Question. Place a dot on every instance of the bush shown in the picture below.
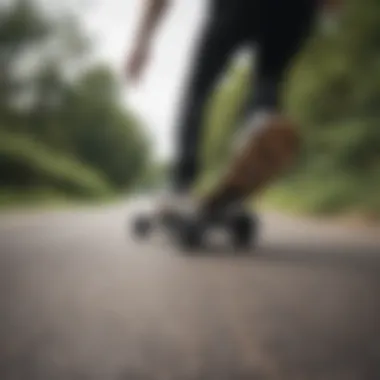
(26, 163)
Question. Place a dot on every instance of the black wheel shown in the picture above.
(190, 233)
(244, 230)
(142, 226)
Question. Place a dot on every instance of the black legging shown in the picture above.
(277, 28)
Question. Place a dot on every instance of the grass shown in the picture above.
(330, 198)
(11, 199)
(22, 154)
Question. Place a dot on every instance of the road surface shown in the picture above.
(80, 299)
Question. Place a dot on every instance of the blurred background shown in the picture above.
(82, 299)
(72, 130)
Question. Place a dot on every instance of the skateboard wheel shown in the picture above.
(142, 227)
(190, 234)
(244, 230)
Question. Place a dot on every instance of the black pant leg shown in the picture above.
(215, 48)
(283, 27)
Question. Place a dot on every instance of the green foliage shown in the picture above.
(101, 133)
(222, 116)
(62, 123)
(155, 176)
(29, 164)
(21, 25)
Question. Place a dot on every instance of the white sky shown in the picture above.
(114, 22)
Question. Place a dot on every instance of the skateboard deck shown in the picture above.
(266, 152)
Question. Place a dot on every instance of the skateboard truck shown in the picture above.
(190, 231)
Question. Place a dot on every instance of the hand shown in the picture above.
(137, 63)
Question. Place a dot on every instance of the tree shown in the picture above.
(63, 105)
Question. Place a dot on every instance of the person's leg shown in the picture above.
(283, 27)
(279, 35)
(214, 50)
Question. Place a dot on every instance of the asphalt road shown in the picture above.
(80, 299)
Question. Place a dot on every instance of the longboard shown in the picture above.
(265, 151)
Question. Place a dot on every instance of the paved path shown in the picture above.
(80, 299)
